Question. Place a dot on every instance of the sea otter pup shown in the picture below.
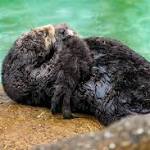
(71, 67)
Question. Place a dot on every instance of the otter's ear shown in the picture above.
(65, 25)
(34, 31)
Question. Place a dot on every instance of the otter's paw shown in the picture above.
(67, 114)
(55, 107)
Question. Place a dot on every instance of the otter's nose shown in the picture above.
(70, 32)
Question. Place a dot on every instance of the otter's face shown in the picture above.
(45, 34)
(62, 31)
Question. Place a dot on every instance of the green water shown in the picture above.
(125, 20)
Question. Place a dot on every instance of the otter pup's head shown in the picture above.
(62, 31)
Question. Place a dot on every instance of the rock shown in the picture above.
(128, 134)
(22, 127)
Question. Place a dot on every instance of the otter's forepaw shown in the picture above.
(55, 108)
(67, 114)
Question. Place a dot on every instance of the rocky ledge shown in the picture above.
(22, 127)
(131, 133)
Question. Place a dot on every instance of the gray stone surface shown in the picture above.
(131, 133)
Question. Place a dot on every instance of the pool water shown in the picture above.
(127, 21)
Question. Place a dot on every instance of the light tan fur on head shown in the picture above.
(48, 33)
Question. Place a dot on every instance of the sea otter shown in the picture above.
(118, 83)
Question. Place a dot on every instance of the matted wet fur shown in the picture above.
(44, 66)
(119, 86)
(26, 56)
(72, 66)
(119, 83)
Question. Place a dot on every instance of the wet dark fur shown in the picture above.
(22, 68)
(72, 66)
(119, 83)
(33, 75)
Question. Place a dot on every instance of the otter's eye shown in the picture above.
(62, 31)
(45, 34)
(39, 33)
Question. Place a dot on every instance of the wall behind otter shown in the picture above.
(127, 21)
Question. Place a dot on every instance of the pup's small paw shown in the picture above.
(54, 109)
(67, 115)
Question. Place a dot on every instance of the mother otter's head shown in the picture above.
(45, 35)
(38, 41)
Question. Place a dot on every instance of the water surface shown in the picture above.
(127, 21)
